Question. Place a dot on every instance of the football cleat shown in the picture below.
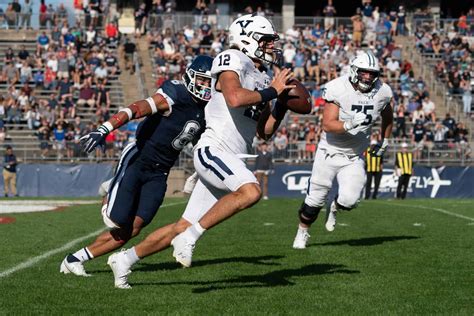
(74, 267)
(331, 220)
(183, 250)
(121, 269)
(301, 239)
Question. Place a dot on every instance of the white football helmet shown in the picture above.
(248, 31)
(365, 62)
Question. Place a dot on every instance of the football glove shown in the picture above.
(96, 138)
(190, 183)
(356, 121)
(379, 150)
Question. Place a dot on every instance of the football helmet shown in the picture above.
(250, 33)
(197, 78)
(364, 63)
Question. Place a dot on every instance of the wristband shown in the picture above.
(105, 128)
(268, 94)
(279, 111)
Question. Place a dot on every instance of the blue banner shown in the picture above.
(60, 180)
(426, 182)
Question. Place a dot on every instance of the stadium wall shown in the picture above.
(441, 182)
(83, 180)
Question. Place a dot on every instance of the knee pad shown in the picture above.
(343, 207)
(107, 221)
(308, 214)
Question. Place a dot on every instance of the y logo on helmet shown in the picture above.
(243, 24)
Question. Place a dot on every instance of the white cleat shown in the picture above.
(183, 250)
(75, 268)
(301, 239)
(331, 220)
(121, 269)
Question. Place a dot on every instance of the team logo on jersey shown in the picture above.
(243, 24)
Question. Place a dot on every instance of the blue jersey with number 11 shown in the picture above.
(161, 137)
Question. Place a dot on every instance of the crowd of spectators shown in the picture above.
(67, 72)
(74, 64)
(454, 48)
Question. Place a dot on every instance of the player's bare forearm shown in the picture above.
(234, 94)
(331, 123)
(139, 109)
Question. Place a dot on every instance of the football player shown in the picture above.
(174, 117)
(353, 104)
(241, 89)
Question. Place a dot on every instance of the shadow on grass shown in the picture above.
(147, 267)
(369, 241)
(270, 279)
(261, 260)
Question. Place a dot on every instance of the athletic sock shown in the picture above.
(195, 232)
(302, 229)
(81, 255)
(131, 256)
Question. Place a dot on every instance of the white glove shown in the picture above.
(356, 121)
(379, 150)
(190, 183)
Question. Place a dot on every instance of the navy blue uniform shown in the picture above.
(139, 185)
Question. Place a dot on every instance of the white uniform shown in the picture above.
(340, 155)
(229, 132)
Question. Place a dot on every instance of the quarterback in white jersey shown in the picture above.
(240, 93)
(353, 104)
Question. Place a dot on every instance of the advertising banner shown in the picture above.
(426, 182)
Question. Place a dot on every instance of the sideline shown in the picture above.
(32, 261)
(440, 210)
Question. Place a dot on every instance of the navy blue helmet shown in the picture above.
(197, 77)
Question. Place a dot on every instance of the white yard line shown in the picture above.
(32, 261)
(440, 210)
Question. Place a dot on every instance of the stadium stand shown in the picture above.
(318, 49)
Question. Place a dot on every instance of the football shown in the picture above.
(297, 99)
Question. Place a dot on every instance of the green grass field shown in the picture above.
(387, 257)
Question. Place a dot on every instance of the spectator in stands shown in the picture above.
(418, 138)
(11, 16)
(280, 144)
(129, 49)
(61, 12)
(299, 61)
(329, 12)
(100, 73)
(25, 72)
(449, 122)
(9, 56)
(59, 138)
(33, 118)
(454, 81)
(94, 11)
(65, 89)
(357, 30)
(418, 114)
(311, 141)
(213, 13)
(103, 95)
(68, 107)
(429, 109)
(86, 95)
(466, 96)
(23, 54)
(392, 68)
(50, 81)
(9, 172)
(140, 20)
(263, 167)
(10, 73)
(400, 114)
(90, 36)
(401, 21)
(43, 41)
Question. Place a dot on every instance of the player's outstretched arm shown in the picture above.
(237, 96)
(142, 108)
